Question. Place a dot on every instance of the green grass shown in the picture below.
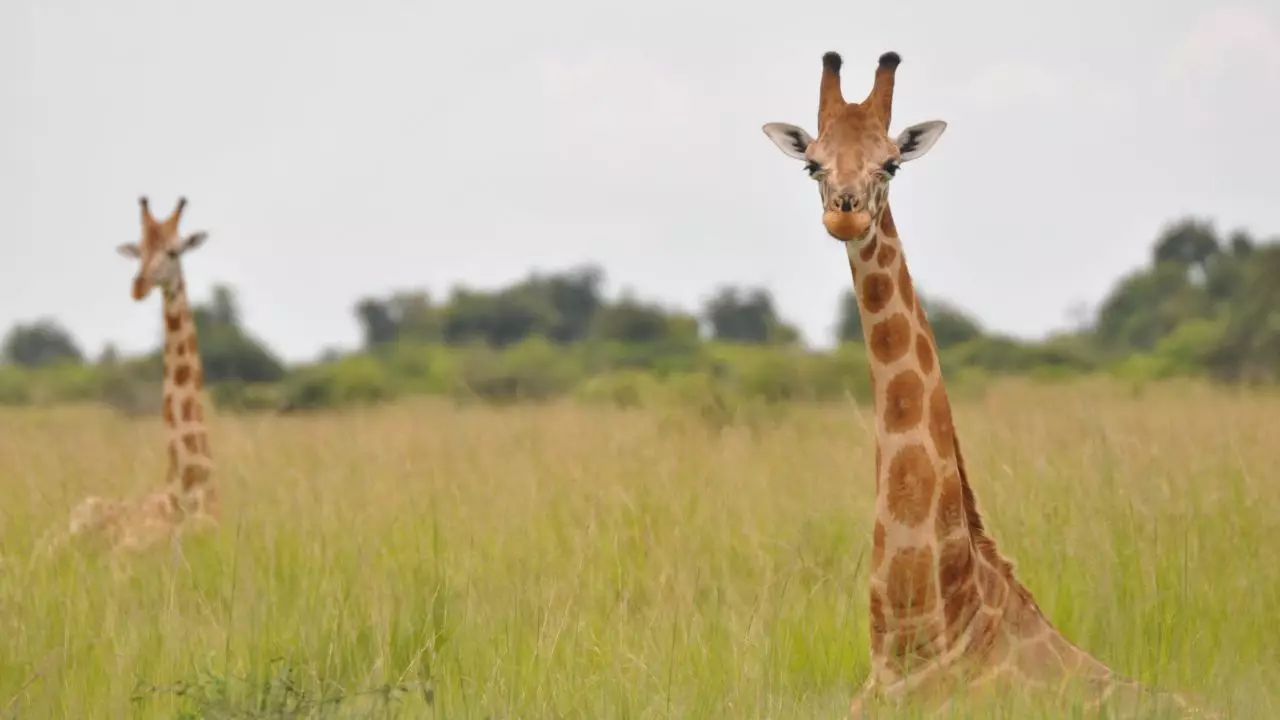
(428, 561)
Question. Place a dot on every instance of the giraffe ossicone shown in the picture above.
(188, 502)
(947, 610)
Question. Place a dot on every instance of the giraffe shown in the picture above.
(189, 501)
(947, 610)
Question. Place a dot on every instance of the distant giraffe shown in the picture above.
(189, 501)
(946, 607)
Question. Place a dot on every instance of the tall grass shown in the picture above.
(424, 560)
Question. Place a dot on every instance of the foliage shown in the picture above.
(1204, 306)
(43, 342)
(747, 317)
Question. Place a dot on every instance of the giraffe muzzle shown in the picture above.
(845, 226)
(140, 288)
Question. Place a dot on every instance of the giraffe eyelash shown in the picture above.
(813, 168)
(890, 168)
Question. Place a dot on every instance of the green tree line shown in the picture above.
(1204, 305)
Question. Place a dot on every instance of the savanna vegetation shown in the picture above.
(537, 502)
(1205, 306)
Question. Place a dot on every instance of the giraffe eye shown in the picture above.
(813, 168)
(173, 253)
(891, 168)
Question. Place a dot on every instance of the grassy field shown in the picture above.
(424, 560)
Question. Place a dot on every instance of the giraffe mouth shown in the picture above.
(847, 226)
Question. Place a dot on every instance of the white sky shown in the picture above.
(333, 153)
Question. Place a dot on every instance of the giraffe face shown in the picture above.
(159, 251)
(853, 159)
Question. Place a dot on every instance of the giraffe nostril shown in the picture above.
(846, 203)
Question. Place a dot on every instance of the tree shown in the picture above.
(376, 323)
(497, 319)
(43, 342)
(576, 298)
(1148, 304)
(223, 308)
(1241, 244)
(228, 352)
(951, 325)
(415, 317)
(1189, 243)
(746, 317)
(632, 321)
(1249, 343)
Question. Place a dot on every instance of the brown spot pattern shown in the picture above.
(188, 408)
(199, 376)
(905, 287)
(193, 475)
(911, 645)
(955, 564)
(924, 354)
(877, 545)
(960, 605)
(891, 338)
(887, 255)
(923, 317)
(173, 322)
(877, 291)
(1000, 646)
(878, 626)
(995, 589)
(887, 227)
(168, 410)
(879, 464)
(192, 346)
(1022, 617)
(941, 428)
(181, 374)
(903, 402)
(1038, 661)
(1072, 658)
(911, 479)
(984, 631)
(192, 442)
(868, 251)
(911, 587)
(950, 513)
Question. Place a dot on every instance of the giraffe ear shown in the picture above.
(129, 250)
(790, 139)
(916, 140)
(193, 241)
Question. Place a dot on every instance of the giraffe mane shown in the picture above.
(978, 532)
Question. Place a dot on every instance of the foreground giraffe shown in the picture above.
(946, 607)
(189, 500)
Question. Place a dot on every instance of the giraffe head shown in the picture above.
(853, 158)
(159, 250)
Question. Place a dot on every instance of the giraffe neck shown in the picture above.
(945, 605)
(933, 567)
(190, 465)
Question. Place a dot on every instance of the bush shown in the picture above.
(352, 380)
(530, 370)
(15, 387)
(843, 374)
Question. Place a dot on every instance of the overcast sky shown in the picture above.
(333, 153)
